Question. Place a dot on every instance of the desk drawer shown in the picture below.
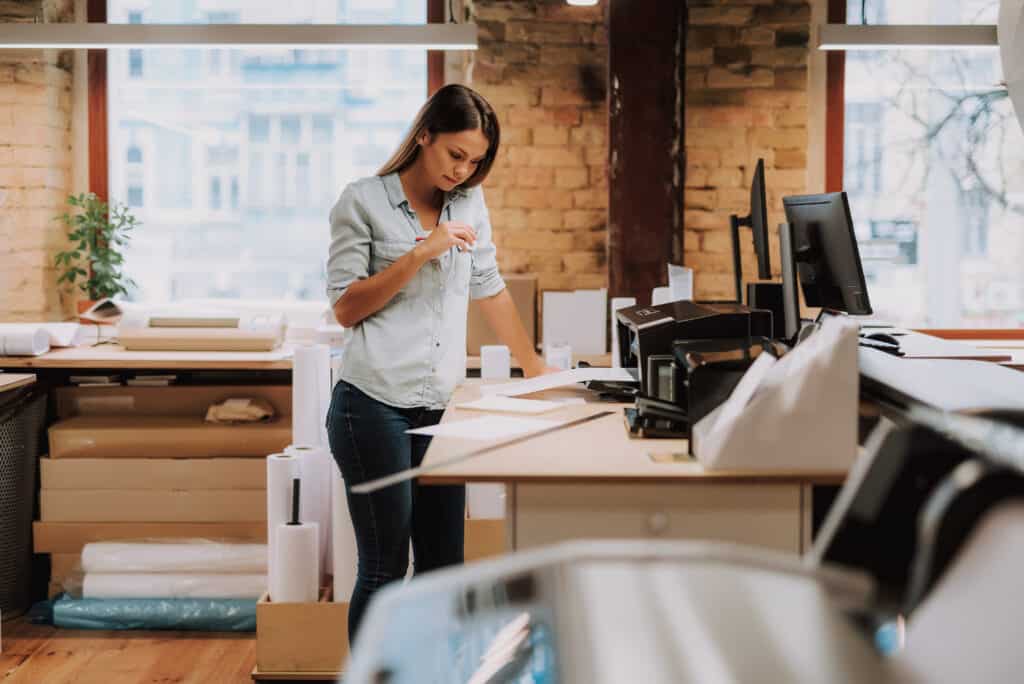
(759, 514)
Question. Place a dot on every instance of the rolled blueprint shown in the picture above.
(172, 585)
(315, 467)
(174, 557)
(17, 340)
(343, 540)
(297, 579)
(310, 381)
(281, 470)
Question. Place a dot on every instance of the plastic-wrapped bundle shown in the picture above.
(205, 615)
(182, 557)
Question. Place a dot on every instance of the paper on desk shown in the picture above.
(563, 379)
(497, 402)
(485, 428)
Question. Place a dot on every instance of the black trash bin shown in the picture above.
(22, 416)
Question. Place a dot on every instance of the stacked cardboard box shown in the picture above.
(140, 463)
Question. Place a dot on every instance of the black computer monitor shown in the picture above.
(757, 220)
(825, 253)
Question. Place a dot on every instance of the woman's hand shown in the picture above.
(538, 367)
(447, 235)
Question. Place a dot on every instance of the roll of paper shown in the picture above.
(343, 540)
(281, 470)
(172, 585)
(297, 579)
(19, 340)
(310, 386)
(495, 362)
(198, 557)
(558, 355)
(315, 467)
(618, 303)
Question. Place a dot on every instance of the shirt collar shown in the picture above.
(396, 196)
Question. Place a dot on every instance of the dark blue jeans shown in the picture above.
(368, 441)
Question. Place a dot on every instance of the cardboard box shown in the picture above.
(200, 339)
(153, 473)
(70, 537)
(484, 538)
(523, 288)
(128, 505)
(301, 637)
(164, 437)
(64, 564)
(174, 400)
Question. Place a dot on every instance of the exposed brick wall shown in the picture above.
(746, 97)
(35, 166)
(542, 64)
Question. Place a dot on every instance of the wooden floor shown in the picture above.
(34, 654)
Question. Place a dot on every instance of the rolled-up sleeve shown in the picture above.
(485, 281)
(348, 259)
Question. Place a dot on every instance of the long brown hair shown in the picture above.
(452, 109)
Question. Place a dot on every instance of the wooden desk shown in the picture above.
(114, 356)
(594, 481)
(9, 381)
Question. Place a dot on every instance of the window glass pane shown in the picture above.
(934, 169)
(922, 11)
(245, 151)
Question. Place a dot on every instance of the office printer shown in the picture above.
(667, 342)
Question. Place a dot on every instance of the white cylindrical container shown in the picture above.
(495, 362)
(281, 470)
(558, 355)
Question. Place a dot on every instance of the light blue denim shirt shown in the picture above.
(411, 352)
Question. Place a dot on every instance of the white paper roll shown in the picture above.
(297, 579)
(281, 470)
(315, 464)
(310, 385)
(199, 557)
(343, 541)
(495, 362)
(20, 340)
(618, 303)
(485, 501)
(558, 355)
(172, 585)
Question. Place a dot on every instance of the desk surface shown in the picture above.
(599, 451)
(114, 356)
(9, 381)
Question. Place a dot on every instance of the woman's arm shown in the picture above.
(367, 296)
(500, 311)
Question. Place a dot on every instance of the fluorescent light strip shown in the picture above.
(311, 36)
(906, 37)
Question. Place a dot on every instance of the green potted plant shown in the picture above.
(94, 262)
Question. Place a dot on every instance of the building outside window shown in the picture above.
(934, 170)
(244, 168)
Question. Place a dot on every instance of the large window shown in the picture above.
(934, 169)
(232, 158)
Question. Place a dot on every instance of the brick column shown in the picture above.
(542, 65)
(746, 97)
(35, 166)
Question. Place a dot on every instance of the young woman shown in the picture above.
(409, 247)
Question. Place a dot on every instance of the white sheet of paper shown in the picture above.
(497, 402)
(570, 377)
(680, 282)
(486, 428)
(744, 391)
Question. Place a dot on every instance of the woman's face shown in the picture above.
(450, 158)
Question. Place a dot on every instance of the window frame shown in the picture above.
(99, 138)
(835, 143)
